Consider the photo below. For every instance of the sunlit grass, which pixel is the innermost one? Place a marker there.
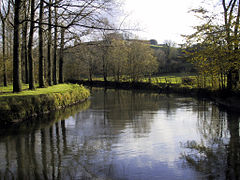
(185, 80)
(7, 91)
(164, 79)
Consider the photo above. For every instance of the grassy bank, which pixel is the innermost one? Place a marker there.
(184, 80)
(15, 107)
(229, 99)
(175, 78)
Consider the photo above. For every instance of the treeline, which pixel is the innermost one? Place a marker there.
(115, 57)
(35, 32)
(112, 56)
(214, 47)
(171, 58)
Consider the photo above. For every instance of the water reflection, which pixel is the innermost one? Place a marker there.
(125, 135)
(28, 150)
(217, 154)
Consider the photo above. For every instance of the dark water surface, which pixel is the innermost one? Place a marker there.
(126, 135)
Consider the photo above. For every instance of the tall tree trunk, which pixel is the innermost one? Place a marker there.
(17, 86)
(55, 46)
(40, 33)
(4, 16)
(30, 42)
(61, 79)
(24, 55)
(4, 54)
(49, 44)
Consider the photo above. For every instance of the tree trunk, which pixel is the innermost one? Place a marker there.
(17, 86)
(30, 42)
(90, 74)
(104, 69)
(55, 47)
(24, 55)
(61, 79)
(4, 54)
(40, 34)
(49, 44)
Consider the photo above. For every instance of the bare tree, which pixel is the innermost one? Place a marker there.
(55, 44)
(4, 12)
(17, 86)
(24, 53)
(30, 44)
(40, 36)
(49, 44)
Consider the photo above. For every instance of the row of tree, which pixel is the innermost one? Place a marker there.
(112, 56)
(214, 47)
(40, 29)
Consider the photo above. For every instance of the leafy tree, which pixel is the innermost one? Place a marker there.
(214, 46)
(141, 61)
(118, 54)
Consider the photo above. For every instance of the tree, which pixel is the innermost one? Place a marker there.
(71, 19)
(4, 12)
(55, 43)
(141, 61)
(24, 51)
(84, 15)
(118, 53)
(61, 80)
(231, 25)
(17, 87)
(217, 42)
(40, 35)
(49, 44)
(30, 44)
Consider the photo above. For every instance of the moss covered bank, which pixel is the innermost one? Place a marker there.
(15, 107)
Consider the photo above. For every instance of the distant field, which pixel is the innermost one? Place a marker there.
(176, 78)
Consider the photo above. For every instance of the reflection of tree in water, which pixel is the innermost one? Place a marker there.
(134, 109)
(218, 153)
(33, 149)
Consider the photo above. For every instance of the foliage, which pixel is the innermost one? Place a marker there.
(213, 48)
(141, 61)
(111, 57)
(118, 55)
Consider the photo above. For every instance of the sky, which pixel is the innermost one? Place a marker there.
(161, 19)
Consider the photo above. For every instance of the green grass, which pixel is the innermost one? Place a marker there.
(15, 107)
(9, 88)
(7, 91)
(184, 80)
(175, 78)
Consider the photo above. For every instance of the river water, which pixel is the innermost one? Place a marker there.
(119, 134)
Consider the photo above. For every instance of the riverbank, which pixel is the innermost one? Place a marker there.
(228, 99)
(16, 107)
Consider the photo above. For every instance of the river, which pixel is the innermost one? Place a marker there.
(120, 134)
